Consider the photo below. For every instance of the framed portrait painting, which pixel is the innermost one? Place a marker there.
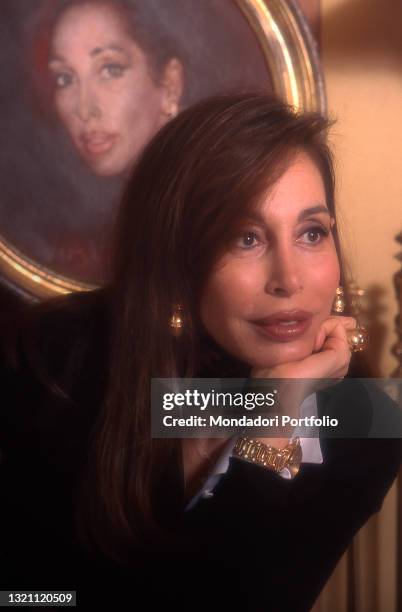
(86, 84)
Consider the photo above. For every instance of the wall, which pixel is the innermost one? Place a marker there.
(361, 46)
(361, 49)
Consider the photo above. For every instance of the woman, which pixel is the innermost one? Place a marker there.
(113, 81)
(106, 74)
(228, 231)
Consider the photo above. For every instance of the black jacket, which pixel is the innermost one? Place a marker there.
(260, 543)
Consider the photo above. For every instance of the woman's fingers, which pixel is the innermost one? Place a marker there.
(333, 332)
(331, 362)
(332, 349)
(330, 357)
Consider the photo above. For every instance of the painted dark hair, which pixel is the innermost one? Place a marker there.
(190, 187)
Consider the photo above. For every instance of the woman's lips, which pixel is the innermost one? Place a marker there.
(97, 143)
(285, 326)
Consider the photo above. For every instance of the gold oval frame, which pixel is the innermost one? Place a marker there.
(293, 62)
(290, 51)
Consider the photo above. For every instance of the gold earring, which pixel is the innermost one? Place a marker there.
(339, 302)
(176, 320)
(358, 338)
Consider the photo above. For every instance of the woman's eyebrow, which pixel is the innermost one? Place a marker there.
(306, 212)
(93, 53)
(312, 210)
(56, 58)
(98, 50)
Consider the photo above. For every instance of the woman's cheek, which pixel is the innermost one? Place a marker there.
(64, 102)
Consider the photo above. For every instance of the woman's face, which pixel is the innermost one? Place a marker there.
(269, 293)
(103, 90)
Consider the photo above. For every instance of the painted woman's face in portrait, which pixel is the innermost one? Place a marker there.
(268, 295)
(104, 92)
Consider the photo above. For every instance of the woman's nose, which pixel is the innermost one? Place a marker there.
(284, 273)
(87, 106)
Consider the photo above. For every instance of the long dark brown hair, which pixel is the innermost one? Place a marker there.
(190, 188)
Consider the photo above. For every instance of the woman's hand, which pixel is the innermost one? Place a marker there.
(330, 359)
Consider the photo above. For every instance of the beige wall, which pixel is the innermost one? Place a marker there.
(361, 45)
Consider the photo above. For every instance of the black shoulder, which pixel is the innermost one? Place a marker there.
(363, 407)
(386, 400)
(367, 451)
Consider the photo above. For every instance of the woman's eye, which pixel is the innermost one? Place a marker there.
(62, 79)
(247, 241)
(315, 235)
(112, 71)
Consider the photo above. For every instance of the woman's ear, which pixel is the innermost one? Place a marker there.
(172, 83)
